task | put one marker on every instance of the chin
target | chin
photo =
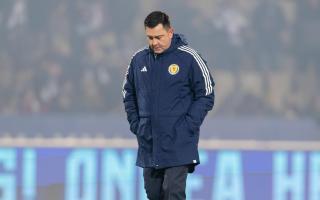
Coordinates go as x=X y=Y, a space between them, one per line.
x=159 y=51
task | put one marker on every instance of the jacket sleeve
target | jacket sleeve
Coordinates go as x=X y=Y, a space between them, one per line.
x=130 y=100
x=203 y=92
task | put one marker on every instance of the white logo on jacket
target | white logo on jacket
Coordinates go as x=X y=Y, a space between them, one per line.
x=144 y=69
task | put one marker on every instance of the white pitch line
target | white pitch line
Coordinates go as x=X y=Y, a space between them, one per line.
x=101 y=142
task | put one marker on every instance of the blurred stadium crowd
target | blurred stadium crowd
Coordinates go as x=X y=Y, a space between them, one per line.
x=70 y=56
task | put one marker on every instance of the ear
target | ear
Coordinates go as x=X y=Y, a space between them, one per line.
x=170 y=32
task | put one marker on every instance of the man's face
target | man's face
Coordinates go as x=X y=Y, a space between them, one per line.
x=159 y=38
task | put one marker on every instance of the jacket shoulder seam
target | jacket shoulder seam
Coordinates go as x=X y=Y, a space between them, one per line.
x=138 y=52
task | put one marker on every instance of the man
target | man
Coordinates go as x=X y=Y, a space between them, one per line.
x=167 y=92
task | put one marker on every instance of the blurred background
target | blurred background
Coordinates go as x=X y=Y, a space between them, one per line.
x=62 y=64
x=68 y=58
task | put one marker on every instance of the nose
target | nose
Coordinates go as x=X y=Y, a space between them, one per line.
x=154 y=42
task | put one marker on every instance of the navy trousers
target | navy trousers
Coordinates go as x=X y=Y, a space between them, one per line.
x=165 y=184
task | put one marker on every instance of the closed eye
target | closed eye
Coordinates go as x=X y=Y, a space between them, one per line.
x=158 y=37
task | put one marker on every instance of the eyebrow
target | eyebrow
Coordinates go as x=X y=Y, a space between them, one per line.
x=155 y=36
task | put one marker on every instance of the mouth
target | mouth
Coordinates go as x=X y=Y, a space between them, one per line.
x=156 y=48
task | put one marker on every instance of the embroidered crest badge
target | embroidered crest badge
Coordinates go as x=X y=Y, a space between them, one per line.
x=173 y=69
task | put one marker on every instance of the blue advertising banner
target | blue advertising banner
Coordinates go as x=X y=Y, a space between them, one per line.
x=107 y=174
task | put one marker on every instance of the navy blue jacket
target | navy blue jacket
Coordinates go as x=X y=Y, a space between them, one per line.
x=166 y=98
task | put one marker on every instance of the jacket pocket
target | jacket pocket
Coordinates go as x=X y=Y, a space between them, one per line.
x=186 y=134
x=144 y=135
x=191 y=125
x=177 y=136
x=134 y=126
x=166 y=133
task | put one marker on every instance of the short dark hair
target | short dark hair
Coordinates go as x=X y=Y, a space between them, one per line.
x=155 y=18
